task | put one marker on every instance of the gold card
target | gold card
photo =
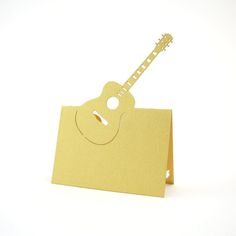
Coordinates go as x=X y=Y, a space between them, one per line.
x=136 y=161
x=108 y=144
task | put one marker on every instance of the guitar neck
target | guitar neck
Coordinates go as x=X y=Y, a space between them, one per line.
x=138 y=72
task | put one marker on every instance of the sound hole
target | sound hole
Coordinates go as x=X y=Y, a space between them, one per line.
x=112 y=103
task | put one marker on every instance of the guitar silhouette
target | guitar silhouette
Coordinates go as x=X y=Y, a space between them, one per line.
x=98 y=120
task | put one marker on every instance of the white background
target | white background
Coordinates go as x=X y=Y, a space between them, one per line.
x=55 y=53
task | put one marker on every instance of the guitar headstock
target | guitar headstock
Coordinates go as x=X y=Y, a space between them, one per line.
x=163 y=42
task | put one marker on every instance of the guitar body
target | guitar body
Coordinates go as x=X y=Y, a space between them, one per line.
x=98 y=123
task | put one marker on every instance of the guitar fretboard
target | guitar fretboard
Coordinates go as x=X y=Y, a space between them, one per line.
x=160 y=46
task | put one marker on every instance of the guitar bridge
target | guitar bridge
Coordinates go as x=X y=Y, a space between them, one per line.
x=100 y=118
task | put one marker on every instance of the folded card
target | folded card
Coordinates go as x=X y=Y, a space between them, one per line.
x=109 y=144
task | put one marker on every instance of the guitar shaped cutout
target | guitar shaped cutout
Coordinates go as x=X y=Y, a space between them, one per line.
x=99 y=122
